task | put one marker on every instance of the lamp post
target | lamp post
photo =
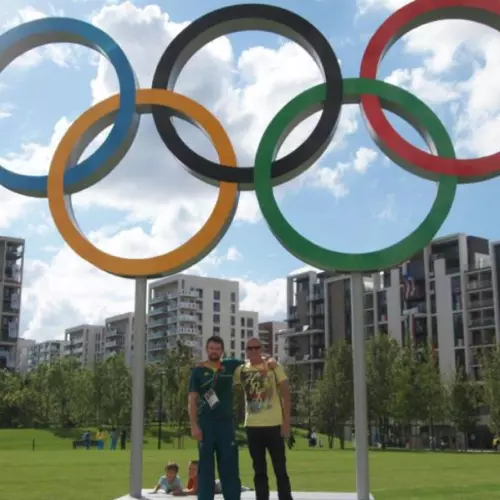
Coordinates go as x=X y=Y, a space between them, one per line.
x=160 y=410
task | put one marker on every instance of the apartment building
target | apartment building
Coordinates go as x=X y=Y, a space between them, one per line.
x=22 y=354
x=446 y=296
x=11 y=278
x=118 y=336
x=44 y=353
x=190 y=309
x=271 y=339
x=85 y=343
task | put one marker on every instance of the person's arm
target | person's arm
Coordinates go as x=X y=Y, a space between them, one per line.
x=284 y=389
x=177 y=488
x=158 y=486
x=237 y=376
x=193 y=398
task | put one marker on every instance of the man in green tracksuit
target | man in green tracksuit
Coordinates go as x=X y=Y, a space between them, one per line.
x=212 y=422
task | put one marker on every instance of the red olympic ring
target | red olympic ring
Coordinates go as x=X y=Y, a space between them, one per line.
x=413 y=15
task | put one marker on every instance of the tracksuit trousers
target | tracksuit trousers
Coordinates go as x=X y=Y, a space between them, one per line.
x=218 y=440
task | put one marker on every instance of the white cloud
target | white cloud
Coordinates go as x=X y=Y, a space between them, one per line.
x=60 y=54
x=333 y=179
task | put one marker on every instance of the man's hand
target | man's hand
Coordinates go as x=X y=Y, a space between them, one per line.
x=285 y=429
x=196 y=433
x=272 y=363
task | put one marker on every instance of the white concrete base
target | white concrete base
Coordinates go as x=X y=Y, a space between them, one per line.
x=250 y=495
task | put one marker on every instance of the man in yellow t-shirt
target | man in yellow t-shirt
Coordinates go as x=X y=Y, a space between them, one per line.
x=267 y=419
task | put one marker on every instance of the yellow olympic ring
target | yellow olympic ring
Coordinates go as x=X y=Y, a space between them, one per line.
x=96 y=119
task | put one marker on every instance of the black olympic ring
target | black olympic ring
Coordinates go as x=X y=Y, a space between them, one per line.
x=242 y=18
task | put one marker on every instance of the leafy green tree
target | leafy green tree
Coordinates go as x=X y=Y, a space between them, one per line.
x=491 y=373
x=117 y=387
x=432 y=399
x=296 y=380
x=381 y=358
x=335 y=392
x=464 y=401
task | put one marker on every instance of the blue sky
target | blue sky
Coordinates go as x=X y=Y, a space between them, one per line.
x=352 y=200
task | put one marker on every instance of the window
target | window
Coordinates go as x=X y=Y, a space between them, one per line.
x=233 y=345
x=249 y=334
x=233 y=354
x=216 y=295
x=233 y=332
x=242 y=334
x=217 y=306
x=242 y=321
x=216 y=318
x=233 y=321
x=233 y=297
x=233 y=309
x=242 y=345
x=216 y=330
x=250 y=322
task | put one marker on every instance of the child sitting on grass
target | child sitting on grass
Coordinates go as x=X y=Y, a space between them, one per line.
x=170 y=482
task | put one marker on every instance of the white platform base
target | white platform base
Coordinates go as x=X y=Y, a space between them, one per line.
x=250 y=495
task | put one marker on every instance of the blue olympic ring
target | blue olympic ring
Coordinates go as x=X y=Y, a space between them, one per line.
x=24 y=37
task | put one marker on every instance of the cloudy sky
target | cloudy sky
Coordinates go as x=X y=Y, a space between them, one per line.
x=353 y=199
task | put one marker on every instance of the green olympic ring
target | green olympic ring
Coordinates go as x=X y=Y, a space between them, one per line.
x=394 y=99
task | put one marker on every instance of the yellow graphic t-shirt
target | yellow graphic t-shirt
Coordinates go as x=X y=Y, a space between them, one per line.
x=262 y=396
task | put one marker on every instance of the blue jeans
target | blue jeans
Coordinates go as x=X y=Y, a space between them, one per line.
x=100 y=444
x=113 y=444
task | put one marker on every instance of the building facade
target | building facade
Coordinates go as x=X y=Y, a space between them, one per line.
x=446 y=296
x=11 y=279
x=44 y=353
x=271 y=338
x=118 y=337
x=190 y=309
x=85 y=343
x=22 y=354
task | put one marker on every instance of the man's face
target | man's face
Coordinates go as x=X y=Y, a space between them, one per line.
x=214 y=351
x=254 y=351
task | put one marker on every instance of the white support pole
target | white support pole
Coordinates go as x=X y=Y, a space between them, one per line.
x=138 y=389
x=360 y=398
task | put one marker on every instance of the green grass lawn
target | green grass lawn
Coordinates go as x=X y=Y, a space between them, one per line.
x=55 y=472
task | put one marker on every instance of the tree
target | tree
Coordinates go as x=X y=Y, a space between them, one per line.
x=463 y=404
x=176 y=367
x=116 y=390
x=491 y=373
x=296 y=382
x=335 y=392
x=381 y=356
x=432 y=395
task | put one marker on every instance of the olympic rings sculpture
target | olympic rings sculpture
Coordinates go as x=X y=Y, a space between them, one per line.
x=67 y=177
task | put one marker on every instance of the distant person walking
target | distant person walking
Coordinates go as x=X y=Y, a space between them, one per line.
x=123 y=439
x=114 y=438
x=100 y=437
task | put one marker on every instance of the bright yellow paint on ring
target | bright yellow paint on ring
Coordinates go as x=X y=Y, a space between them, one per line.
x=188 y=253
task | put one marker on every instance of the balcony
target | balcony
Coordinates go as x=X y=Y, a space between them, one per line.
x=158 y=346
x=158 y=310
x=479 y=285
x=112 y=332
x=158 y=299
x=189 y=293
x=189 y=305
x=183 y=330
x=157 y=323
x=13 y=273
x=188 y=317
x=111 y=344
x=480 y=323
x=480 y=304
x=156 y=335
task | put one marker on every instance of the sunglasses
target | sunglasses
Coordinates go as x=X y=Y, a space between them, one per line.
x=253 y=348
